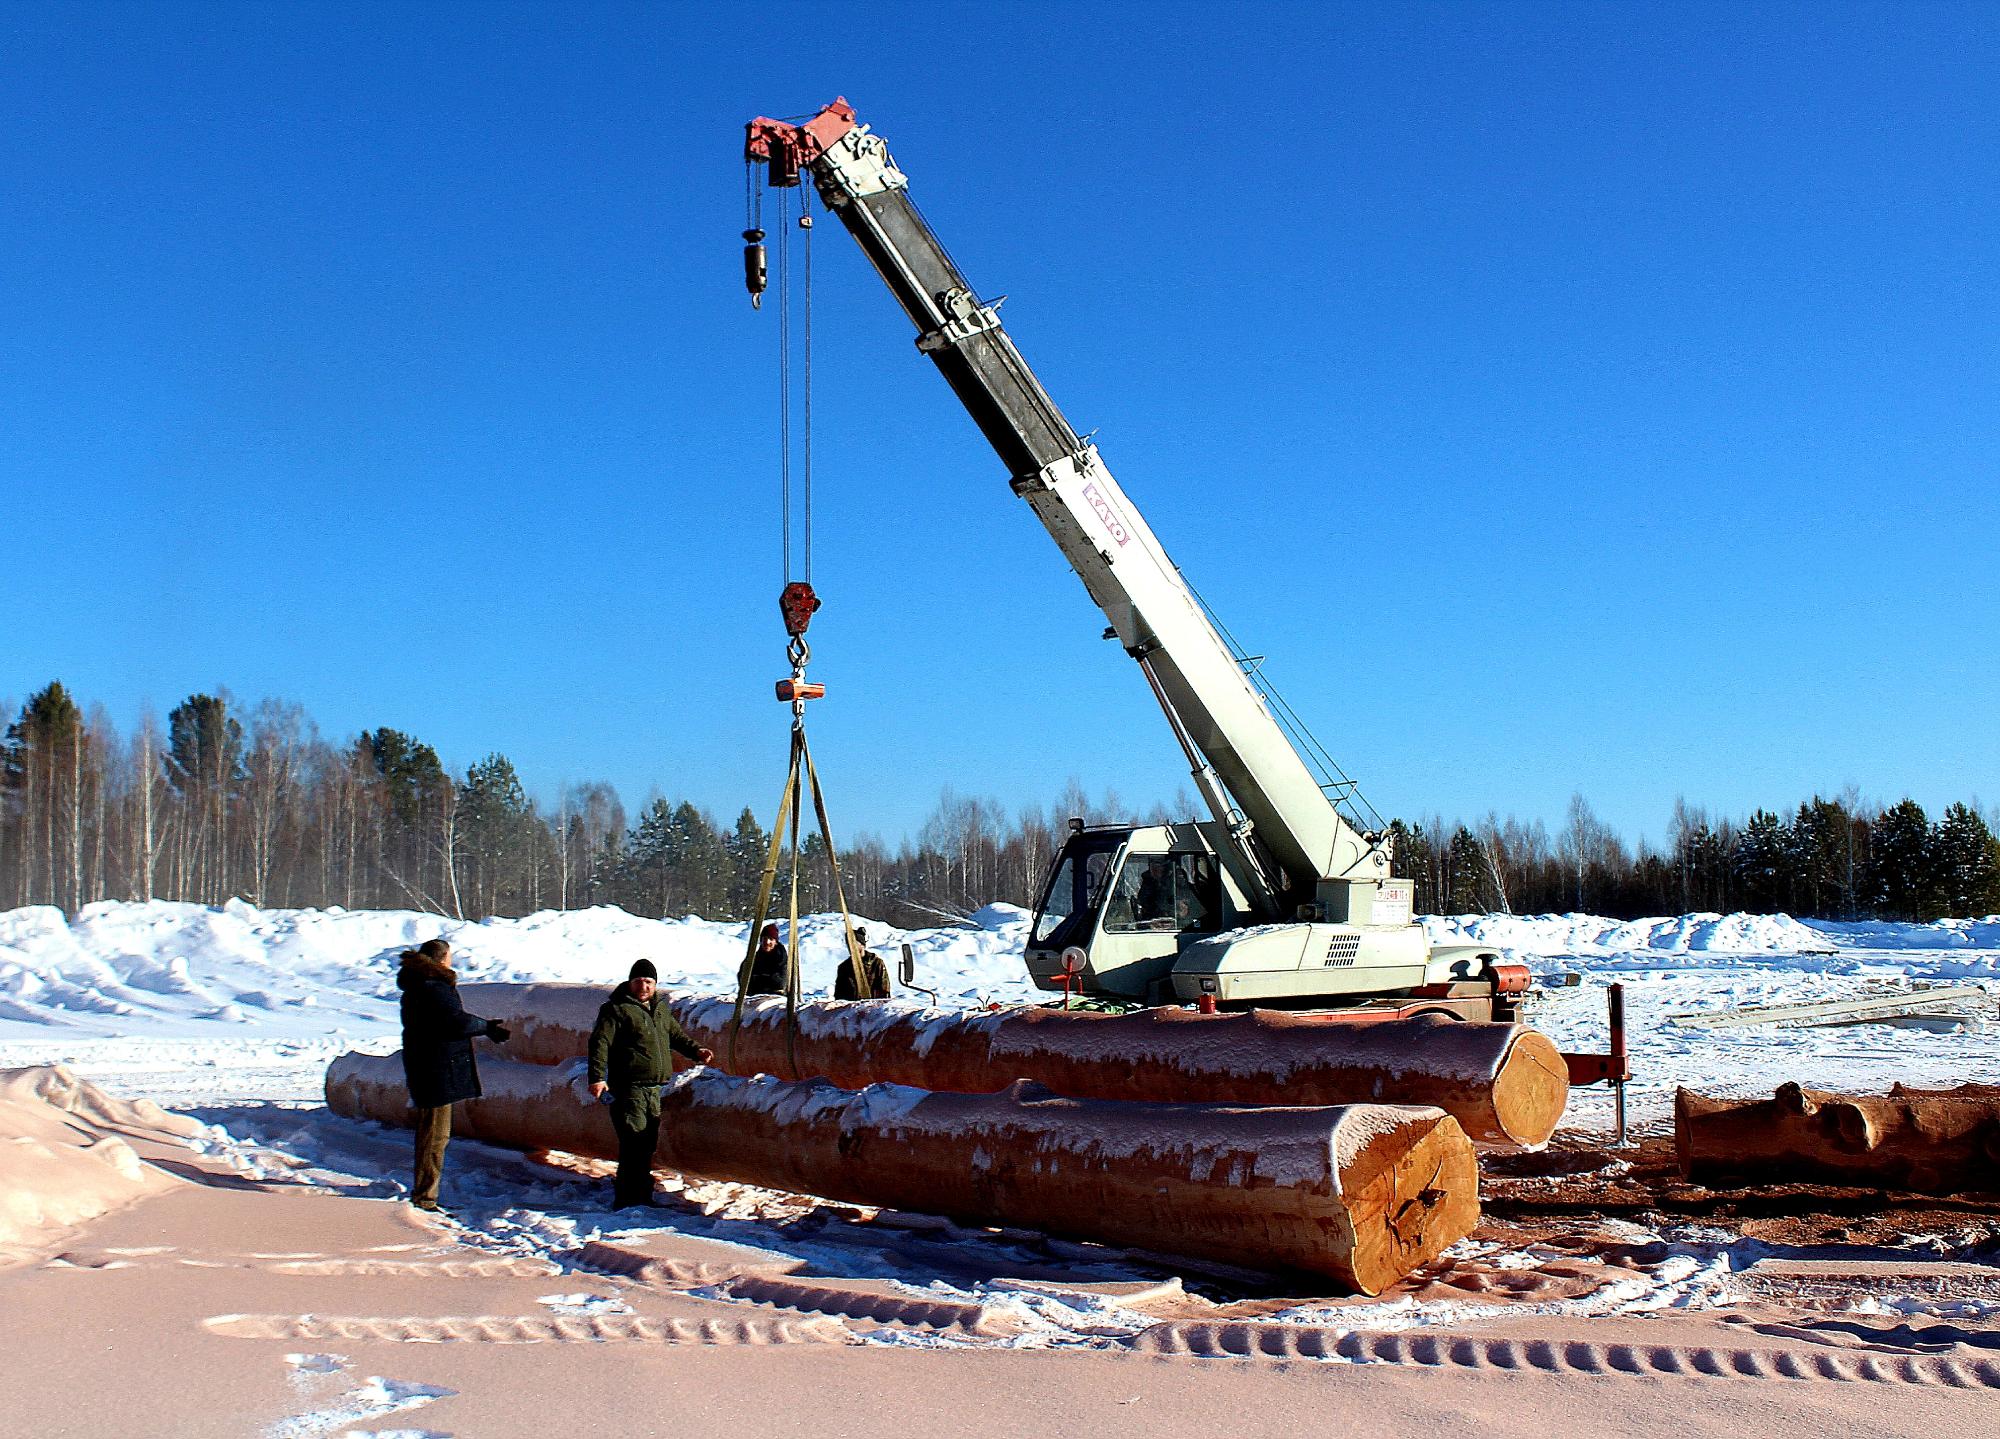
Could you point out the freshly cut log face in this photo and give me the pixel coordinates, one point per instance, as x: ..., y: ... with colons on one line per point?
x: 1927, y: 1141
x: 1505, y: 1084
x: 1362, y: 1194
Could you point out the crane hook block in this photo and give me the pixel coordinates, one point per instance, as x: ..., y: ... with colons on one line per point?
x: 797, y: 602
x: 755, y: 268
x: 794, y: 691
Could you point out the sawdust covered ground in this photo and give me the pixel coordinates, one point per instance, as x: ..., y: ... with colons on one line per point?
x: 1578, y: 1182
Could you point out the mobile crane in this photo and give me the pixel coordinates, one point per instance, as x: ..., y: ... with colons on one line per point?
x: 1277, y: 899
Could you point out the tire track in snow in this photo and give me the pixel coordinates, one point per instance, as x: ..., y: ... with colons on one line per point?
x: 1429, y: 1350
x: 525, y: 1329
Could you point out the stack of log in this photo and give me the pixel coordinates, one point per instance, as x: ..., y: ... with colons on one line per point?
x: 1929, y: 1141
x: 1362, y: 1194
x: 1266, y: 1141
x: 1505, y: 1084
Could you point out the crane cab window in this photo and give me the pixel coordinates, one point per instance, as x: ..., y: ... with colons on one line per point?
x: 1165, y: 894
x: 1076, y: 889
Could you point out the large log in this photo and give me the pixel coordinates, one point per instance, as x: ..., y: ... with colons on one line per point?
x: 1504, y: 1083
x: 1928, y: 1141
x: 1363, y: 1193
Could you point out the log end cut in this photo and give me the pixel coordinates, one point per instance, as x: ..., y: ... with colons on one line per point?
x: 1531, y: 1090
x: 1411, y: 1189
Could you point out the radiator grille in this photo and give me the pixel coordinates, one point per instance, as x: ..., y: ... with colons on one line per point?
x: 1341, y: 950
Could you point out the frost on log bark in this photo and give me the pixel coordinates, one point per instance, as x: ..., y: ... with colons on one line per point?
x: 1362, y: 1194
x: 1929, y: 1141
x: 1504, y: 1083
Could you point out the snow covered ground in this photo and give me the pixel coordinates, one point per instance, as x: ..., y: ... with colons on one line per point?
x: 1706, y: 962
x: 187, y: 1004
x: 233, y: 1013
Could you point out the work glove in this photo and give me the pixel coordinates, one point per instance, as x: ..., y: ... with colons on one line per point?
x: 497, y: 1032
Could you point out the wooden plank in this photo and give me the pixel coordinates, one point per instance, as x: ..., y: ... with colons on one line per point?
x: 1941, y: 999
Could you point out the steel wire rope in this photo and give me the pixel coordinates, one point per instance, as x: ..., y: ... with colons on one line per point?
x: 1289, y: 720
x: 785, y: 383
x: 806, y: 385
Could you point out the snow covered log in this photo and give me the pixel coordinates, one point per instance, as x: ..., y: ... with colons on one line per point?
x: 523, y: 1106
x: 1361, y: 1193
x: 1505, y: 1084
x: 1928, y: 1141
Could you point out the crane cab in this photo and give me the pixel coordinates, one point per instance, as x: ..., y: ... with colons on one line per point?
x: 1123, y: 902
x: 1154, y: 914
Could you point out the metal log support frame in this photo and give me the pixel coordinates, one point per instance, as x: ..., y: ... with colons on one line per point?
x: 1614, y: 1068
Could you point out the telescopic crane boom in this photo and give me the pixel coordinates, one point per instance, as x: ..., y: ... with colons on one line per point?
x: 1278, y: 852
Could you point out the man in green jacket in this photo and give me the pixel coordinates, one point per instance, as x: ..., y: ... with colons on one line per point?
x: 631, y: 1058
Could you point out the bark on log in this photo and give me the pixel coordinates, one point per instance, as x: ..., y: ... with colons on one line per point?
x: 1927, y: 1141
x: 1505, y: 1084
x: 1362, y: 1193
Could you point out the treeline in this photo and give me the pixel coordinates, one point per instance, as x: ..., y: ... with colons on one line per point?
x: 222, y: 801
x: 1831, y: 859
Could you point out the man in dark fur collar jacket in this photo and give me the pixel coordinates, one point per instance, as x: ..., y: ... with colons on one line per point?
x: 437, y: 1056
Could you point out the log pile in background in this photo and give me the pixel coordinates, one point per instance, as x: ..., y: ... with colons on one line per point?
x: 1505, y: 1084
x: 1927, y: 1141
x: 1362, y: 1194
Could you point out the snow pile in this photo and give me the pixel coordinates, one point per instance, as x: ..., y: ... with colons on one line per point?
x: 1706, y: 962
x: 1938, y: 934
x: 200, y: 972
x: 60, y: 1161
x: 197, y: 971
x: 1948, y: 949
x: 1585, y: 934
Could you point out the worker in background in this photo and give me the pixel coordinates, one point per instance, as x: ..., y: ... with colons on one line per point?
x: 1152, y: 908
x: 631, y: 1060
x: 874, y: 969
x: 438, y: 1066
x: 1190, y: 911
x: 768, y: 964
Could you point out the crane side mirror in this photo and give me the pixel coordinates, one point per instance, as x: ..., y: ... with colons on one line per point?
x: 907, y: 967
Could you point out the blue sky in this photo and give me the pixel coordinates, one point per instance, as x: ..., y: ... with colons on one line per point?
x: 1582, y: 397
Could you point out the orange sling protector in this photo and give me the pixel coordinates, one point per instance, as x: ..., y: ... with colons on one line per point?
x: 797, y: 603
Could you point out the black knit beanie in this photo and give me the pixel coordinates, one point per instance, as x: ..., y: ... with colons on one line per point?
x: 643, y: 969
